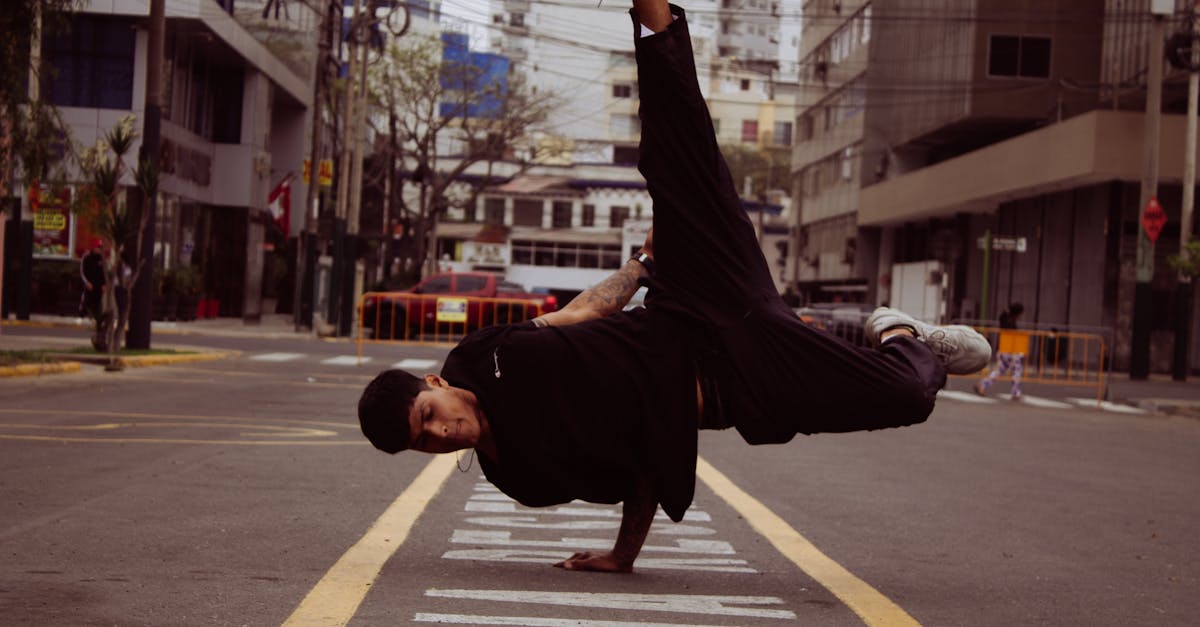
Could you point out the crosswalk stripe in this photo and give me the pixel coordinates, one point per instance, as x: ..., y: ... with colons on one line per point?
x: 1034, y: 401
x: 277, y: 357
x: 415, y: 364
x: 345, y: 360
x: 965, y: 397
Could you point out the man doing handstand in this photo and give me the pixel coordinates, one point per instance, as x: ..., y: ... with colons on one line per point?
x: 594, y: 403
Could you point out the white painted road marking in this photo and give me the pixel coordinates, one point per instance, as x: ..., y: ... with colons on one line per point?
x: 504, y: 538
x: 415, y: 364
x: 966, y: 397
x: 277, y: 357
x: 524, y: 556
x: 711, y: 605
x: 1034, y: 401
x: 531, y: 621
x: 345, y: 360
x: 1106, y: 405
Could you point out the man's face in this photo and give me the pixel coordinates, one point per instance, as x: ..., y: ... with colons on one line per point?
x: 441, y: 419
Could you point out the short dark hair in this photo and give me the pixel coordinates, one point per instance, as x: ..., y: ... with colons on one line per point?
x: 384, y: 407
x: 1016, y: 309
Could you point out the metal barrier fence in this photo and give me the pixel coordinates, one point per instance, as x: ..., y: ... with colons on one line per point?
x: 1051, y: 356
x: 433, y: 319
x: 1054, y: 357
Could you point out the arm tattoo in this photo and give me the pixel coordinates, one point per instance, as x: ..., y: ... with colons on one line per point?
x: 611, y: 294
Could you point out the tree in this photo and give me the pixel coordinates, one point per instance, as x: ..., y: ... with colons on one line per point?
x: 445, y: 110
x: 766, y: 167
x: 102, y: 200
x: 29, y: 129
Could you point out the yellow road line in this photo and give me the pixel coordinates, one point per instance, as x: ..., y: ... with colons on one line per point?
x: 336, y: 597
x: 870, y: 605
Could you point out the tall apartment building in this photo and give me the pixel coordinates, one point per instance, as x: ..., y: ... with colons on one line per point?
x: 1022, y: 122
x: 828, y: 154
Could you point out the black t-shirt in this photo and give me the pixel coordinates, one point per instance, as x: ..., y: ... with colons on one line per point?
x: 580, y: 411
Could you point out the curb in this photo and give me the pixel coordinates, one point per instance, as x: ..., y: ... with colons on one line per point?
x: 35, y: 370
x: 140, y: 361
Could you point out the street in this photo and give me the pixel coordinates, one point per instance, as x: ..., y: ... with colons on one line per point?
x: 241, y: 492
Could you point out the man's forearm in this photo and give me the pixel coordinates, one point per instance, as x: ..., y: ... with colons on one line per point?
x: 606, y: 297
x: 637, y: 514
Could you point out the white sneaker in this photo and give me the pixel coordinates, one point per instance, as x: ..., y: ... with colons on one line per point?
x: 961, y: 349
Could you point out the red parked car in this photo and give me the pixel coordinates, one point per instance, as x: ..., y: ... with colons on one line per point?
x: 451, y: 302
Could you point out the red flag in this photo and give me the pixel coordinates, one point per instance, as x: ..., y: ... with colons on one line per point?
x: 279, y: 203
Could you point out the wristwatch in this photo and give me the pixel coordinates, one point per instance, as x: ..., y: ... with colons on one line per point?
x: 646, y: 261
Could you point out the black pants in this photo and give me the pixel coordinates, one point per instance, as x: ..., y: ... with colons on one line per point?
x: 774, y: 375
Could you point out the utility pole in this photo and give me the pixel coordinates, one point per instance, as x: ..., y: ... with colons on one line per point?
x: 306, y: 242
x: 341, y: 256
x: 1183, y: 289
x: 142, y: 293
x: 1139, y: 366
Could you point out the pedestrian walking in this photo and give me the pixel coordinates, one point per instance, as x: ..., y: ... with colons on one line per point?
x: 595, y: 403
x: 1010, y: 354
x: 91, y: 271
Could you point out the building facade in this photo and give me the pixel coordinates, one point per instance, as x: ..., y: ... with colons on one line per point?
x: 234, y: 120
x: 1019, y: 125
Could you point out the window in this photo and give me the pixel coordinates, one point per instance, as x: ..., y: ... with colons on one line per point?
x: 517, y: 19
x: 623, y: 125
x: 93, y: 64
x: 493, y: 210
x: 437, y: 285
x: 1027, y: 57
x: 749, y: 131
x: 625, y: 155
x: 622, y: 90
x: 783, y: 134
x: 617, y: 216
x: 804, y: 130
x: 848, y: 163
x: 527, y: 212
x: 745, y: 84
x: 471, y: 282
x: 589, y: 216
x: 567, y: 254
x: 561, y: 218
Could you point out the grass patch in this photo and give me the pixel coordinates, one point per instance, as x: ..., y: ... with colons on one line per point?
x: 88, y: 350
x: 16, y: 358
x: 43, y: 356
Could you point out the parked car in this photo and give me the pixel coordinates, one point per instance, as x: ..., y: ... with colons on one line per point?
x: 456, y: 302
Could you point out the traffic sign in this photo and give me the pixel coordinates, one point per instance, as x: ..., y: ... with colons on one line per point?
x: 1153, y: 219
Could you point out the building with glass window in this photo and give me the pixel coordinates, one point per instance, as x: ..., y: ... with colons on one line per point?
x: 236, y: 92
x: 827, y: 155
x: 999, y: 150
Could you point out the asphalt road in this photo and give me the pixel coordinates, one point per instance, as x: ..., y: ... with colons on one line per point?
x: 240, y: 492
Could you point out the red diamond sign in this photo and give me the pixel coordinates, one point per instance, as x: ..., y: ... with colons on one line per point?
x: 1153, y: 219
